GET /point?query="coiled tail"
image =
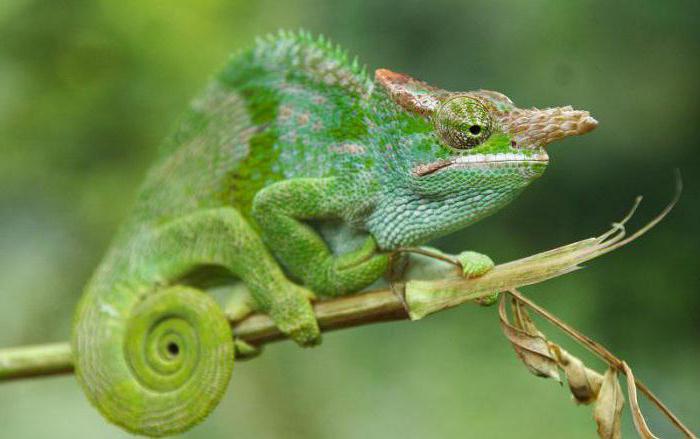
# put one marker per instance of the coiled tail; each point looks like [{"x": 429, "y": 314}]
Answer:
[{"x": 154, "y": 363}]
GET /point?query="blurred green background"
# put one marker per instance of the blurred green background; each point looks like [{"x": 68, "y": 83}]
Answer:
[{"x": 88, "y": 89}]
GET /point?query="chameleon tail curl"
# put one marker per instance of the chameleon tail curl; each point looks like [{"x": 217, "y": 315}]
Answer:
[{"x": 161, "y": 369}]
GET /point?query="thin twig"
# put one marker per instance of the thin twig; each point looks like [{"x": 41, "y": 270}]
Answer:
[{"x": 430, "y": 254}]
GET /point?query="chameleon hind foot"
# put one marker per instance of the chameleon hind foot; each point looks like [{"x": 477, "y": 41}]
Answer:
[
  {"x": 294, "y": 316},
  {"x": 240, "y": 304}
]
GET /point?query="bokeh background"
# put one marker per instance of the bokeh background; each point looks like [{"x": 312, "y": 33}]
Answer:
[{"x": 88, "y": 89}]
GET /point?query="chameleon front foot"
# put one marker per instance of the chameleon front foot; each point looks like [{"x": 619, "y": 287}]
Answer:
[{"x": 474, "y": 265}]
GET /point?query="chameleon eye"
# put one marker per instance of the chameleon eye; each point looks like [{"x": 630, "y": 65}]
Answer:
[{"x": 463, "y": 122}]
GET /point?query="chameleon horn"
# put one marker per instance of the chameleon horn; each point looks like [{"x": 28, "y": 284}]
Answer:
[
  {"x": 542, "y": 127},
  {"x": 161, "y": 368}
]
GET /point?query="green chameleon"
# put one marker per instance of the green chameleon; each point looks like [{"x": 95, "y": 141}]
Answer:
[{"x": 294, "y": 175}]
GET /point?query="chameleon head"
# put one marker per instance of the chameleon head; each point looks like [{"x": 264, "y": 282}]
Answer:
[{"x": 480, "y": 151}]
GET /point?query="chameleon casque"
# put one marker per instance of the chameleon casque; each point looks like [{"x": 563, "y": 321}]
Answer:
[{"x": 294, "y": 174}]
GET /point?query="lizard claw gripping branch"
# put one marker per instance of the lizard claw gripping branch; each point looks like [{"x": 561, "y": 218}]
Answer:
[{"x": 293, "y": 175}]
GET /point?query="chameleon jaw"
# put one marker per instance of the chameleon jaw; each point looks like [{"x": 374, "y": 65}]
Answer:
[{"x": 480, "y": 160}]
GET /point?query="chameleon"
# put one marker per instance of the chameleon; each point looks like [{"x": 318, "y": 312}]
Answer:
[{"x": 292, "y": 177}]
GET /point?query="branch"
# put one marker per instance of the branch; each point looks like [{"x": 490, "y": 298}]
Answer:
[
  {"x": 32, "y": 361},
  {"x": 257, "y": 329}
]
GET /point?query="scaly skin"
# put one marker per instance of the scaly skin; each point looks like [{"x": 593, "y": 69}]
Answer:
[{"x": 295, "y": 174}]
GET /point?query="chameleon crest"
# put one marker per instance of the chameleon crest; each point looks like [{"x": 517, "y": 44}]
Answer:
[{"x": 292, "y": 176}]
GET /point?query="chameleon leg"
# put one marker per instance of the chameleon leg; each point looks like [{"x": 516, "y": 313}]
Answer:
[
  {"x": 473, "y": 264},
  {"x": 280, "y": 210},
  {"x": 221, "y": 236}
]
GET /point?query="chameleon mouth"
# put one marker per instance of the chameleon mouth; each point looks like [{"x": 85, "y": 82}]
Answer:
[{"x": 480, "y": 160}]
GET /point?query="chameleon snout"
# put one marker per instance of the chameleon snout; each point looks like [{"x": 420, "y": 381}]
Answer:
[{"x": 538, "y": 128}]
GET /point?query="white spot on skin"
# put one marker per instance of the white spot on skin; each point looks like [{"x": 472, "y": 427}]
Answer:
[
  {"x": 303, "y": 119},
  {"x": 347, "y": 148},
  {"x": 329, "y": 79},
  {"x": 289, "y": 137},
  {"x": 108, "y": 309},
  {"x": 285, "y": 112},
  {"x": 317, "y": 126}
]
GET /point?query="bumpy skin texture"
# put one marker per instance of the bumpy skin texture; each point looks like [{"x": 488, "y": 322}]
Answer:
[{"x": 290, "y": 150}]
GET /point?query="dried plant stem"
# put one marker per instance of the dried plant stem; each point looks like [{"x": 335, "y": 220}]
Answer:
[{"x": 604, "y": 354}]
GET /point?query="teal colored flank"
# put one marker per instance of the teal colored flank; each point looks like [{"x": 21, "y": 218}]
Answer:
[{"x": 292, "y": 176}]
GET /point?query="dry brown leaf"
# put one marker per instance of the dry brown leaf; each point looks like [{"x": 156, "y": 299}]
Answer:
[
  {"x": 639, "y": 423},
  {"x": 609, "y": 401},
  {"x": 584, "y": 383},
  {"x": 607, "y": 411},
  {"x": 521, "y": 318},
  {"x": 529, "y": 344}
]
